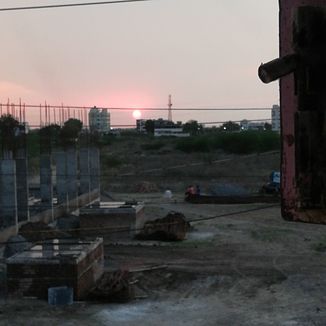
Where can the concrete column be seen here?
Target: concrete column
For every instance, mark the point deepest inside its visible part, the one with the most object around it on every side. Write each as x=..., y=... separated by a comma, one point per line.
x=60, y=162
x=72, y=167
x=95, y=171
x=46, y=184
x=84, y=170
x=8, y=193
x=22, y=184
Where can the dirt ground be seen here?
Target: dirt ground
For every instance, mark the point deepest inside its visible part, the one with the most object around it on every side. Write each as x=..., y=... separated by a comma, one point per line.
x=125, y=164
x=244, y=269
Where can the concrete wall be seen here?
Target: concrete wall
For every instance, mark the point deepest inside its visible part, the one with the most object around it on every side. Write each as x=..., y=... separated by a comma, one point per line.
x=84, y=170
x=114, y=224
x=14, y=186
x=47, y=215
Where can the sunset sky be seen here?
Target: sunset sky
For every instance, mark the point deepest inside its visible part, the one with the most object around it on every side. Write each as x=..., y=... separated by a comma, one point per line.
x=203, y=52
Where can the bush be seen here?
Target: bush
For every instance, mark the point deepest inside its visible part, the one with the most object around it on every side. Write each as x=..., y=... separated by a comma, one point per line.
x=232, y=142
x=153, y=146
x=112, y=161
x=194, y=144
x=33, y=144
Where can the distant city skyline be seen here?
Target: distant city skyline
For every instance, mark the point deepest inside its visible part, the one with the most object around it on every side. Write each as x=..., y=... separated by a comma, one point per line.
x=204, y=53
x=45, y=114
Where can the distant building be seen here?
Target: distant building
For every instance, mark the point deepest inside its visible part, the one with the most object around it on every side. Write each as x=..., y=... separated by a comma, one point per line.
x=162, y=123
x=140, y=125
x=170, y=132
x=158, y=124
x=276, y=119
x=252, y=125
x=99, y=120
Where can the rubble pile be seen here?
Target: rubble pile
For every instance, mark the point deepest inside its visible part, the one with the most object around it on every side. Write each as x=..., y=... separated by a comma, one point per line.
x=114, y=287
x=172, y=227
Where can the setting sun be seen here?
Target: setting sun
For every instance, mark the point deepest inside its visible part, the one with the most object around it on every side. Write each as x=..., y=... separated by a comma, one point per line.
x=136, y=114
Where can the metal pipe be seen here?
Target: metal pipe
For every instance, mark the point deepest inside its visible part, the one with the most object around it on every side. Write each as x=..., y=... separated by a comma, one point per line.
x=278, y=68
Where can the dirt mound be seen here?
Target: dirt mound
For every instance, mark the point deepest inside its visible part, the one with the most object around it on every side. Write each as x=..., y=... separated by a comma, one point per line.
x=146, y=187
x=39, y=231
x=69, y=224
x=172, y=227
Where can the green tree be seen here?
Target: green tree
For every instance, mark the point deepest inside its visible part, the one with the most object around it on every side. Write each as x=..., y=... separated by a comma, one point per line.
x=192, y=127
x=150, y=126
x=230, y=126
x=70, y=131
x=267, y=126
x=49, y=136
x=8, y=128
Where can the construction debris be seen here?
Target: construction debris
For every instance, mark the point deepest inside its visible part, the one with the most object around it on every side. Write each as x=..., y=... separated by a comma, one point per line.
x=39, y=231
x=173, y=227
x=114, y=287
x=146, y=187
x=147, y=268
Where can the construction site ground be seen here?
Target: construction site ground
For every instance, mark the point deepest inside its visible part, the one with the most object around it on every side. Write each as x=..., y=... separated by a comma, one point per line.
x=249, y=268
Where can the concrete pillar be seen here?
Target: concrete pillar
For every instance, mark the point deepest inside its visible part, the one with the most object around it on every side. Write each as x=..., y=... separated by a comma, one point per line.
x=22, y=184
x=46, y=184
x=71, y=168
x=46, y=178
x=84, y=170
x=60, y=162
x=8, y=193
x=95, y=171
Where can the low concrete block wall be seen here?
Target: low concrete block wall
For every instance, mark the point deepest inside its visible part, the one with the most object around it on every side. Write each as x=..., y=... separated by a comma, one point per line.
x=78, y=265
x=112, y=224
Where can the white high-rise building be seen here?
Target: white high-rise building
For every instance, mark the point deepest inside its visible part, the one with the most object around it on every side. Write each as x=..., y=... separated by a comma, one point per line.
x=276, y=118
x=99, y=120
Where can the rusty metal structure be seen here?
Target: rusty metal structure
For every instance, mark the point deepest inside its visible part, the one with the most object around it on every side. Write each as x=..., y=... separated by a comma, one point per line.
x=302, y=72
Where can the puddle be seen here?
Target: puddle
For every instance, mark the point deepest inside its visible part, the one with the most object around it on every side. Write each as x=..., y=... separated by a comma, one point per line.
x=125, y=313
x=150, y=313
x=200, y=235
